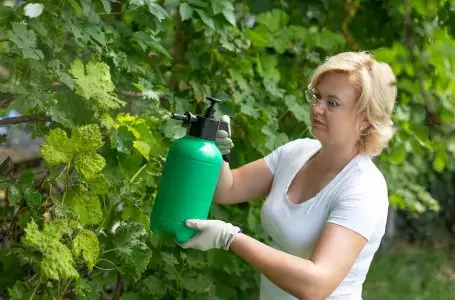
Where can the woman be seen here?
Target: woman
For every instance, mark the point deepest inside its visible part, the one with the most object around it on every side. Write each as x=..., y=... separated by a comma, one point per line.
x=327, y=203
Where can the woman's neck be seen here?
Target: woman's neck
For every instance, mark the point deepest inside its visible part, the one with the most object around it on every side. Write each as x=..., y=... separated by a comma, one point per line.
x=334, y=158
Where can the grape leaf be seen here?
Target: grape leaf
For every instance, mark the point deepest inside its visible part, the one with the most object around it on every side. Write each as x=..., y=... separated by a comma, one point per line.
x=82, y=288
x=155, y=286
x=14, y=194
x=88, y=165
x=130, y=241
x=86, y=206
x=57, y=262
x=25, y=39
x=18, y=291
x=93, y=82
x=298, y=110
x=99, y=185
x=86, y=244
x=122, y=140
x=62, y=109
x=32, y=196
x=81, y=147
x=143, y=148
x=87, y=138
x=57, y=148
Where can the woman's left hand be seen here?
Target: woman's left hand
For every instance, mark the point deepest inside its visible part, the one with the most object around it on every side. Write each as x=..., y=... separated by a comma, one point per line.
x=213, y=234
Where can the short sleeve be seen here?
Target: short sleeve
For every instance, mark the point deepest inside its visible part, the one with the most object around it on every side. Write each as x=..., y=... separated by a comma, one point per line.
x=362, y=209
x=274, y=158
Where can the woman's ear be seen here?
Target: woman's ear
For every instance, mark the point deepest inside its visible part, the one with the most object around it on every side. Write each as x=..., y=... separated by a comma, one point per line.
x=364, y=122
x=364, y=125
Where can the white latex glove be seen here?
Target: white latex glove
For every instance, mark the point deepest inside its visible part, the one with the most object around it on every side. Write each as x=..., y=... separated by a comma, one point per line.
x=213, y=234
x=223, y=138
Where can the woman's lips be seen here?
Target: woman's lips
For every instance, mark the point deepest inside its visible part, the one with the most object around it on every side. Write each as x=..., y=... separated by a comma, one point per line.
x=318, y=123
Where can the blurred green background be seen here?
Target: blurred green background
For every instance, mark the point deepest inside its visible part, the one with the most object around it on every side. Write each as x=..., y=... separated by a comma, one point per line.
x=86, y=88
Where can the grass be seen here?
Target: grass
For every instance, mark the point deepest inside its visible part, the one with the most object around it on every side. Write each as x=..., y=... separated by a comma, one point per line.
x=412, y=272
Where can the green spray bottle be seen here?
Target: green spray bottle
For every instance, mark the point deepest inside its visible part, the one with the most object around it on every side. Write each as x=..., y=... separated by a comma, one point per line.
x=189, y=177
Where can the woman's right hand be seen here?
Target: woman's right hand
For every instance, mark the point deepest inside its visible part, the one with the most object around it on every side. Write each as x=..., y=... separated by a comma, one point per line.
x=223, y=138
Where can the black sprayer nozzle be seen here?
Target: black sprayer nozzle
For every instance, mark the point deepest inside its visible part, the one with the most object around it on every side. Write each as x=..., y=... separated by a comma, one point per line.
x=186, y=117
x=211, y=109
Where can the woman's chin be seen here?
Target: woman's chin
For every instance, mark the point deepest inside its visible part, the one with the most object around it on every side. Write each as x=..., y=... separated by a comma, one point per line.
x=318, y=132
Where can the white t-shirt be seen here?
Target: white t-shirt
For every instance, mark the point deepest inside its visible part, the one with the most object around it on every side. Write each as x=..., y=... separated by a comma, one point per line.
x=356, y=198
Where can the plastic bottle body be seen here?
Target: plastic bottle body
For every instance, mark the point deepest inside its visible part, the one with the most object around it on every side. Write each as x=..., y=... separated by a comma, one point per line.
x=186, y=187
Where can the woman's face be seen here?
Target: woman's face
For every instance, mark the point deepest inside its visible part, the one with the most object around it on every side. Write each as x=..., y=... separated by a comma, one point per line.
x=333, y=121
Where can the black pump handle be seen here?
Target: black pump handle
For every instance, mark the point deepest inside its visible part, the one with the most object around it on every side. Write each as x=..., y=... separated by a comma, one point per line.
x=211, y=110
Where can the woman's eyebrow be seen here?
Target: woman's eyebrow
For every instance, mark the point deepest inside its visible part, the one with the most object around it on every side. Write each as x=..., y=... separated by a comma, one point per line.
x=335, y=96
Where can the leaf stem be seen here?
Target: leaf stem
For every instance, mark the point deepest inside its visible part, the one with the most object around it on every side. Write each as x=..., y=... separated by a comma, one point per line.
x=65, y=289
x=113, y=249
x=34, y=290
x=137, y=173
x=283, y=114
x=103, y=259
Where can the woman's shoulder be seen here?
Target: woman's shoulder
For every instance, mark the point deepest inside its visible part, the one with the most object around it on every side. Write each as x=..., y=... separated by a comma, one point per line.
x=365, y=181
x=301, y=144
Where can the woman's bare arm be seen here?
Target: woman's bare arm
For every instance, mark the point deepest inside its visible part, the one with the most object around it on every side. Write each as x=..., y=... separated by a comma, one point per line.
x=242, y=184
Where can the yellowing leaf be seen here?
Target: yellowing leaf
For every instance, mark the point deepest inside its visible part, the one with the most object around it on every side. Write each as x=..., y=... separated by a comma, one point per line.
x=88, y=165
x=86, y=244
x=86, y=206
x=143, y=148
x=81, y=147
x=57, y=148
x=93, y=82
x=87, y=138
x=57, y=262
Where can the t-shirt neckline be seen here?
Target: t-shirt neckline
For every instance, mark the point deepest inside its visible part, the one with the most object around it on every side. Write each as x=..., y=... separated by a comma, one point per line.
x=327, y=186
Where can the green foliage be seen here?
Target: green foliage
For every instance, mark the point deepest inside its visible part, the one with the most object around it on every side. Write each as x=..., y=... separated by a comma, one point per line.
x=411, y=272
x=56, y=261
x=106, y=74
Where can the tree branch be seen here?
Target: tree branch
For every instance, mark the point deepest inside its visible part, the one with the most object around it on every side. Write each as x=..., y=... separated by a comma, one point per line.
x=23, y=119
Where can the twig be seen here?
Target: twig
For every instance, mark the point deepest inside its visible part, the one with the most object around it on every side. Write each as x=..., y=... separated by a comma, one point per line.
x=23, y=119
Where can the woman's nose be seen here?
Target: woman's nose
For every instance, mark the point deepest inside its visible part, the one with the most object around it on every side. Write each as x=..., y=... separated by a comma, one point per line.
x=319, y=107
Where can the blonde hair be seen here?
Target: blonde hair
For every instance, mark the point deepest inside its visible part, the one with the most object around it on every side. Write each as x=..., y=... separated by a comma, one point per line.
x=376, y=84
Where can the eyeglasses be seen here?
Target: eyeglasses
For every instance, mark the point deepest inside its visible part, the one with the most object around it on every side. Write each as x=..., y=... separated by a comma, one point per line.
x=314, y=98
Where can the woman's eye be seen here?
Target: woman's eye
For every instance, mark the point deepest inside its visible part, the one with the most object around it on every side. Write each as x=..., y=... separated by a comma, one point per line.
x=332, y=103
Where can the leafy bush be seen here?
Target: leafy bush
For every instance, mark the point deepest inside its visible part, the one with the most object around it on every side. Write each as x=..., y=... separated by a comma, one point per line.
x=97, y=81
